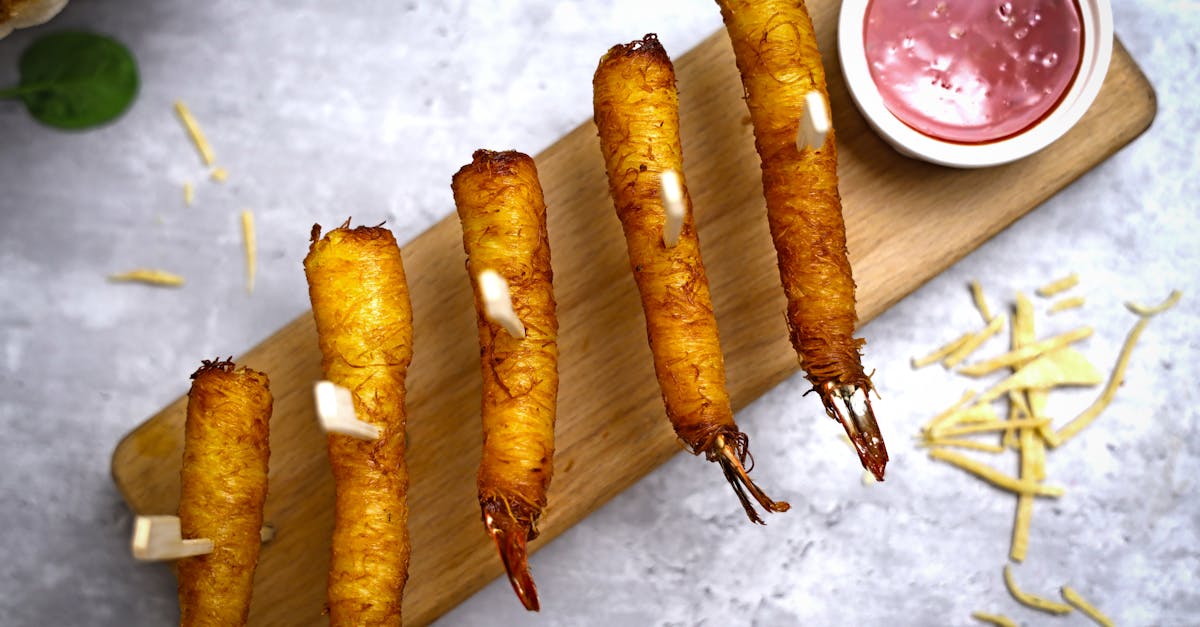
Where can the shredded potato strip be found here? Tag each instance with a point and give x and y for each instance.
(193, 130)
(974, 342)
(1075, 302)
(248, 240)
(149, 277)
(994, 619)
(1092, 612)
(981, 302)
(1064, 366)
(964, 443)
(942, 352)
(1025, 353)
(995, 477)
(1032, 600)
(1145, 311)
(1058, 286)
(1026, 441)
(975, 414)
(950, 414)
(1071, 429)
(995, 425)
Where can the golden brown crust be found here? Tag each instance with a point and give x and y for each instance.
(777, 55)
(503, 217)
(637, 114)
(364, 324)
(224, 486)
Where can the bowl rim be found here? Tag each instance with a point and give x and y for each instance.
(1097, 34)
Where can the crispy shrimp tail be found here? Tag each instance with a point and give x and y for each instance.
(510, 536)
(851, 406)
(731, 454)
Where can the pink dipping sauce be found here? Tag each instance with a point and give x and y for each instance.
(972, 71)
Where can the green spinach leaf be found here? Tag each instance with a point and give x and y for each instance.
(76, 80)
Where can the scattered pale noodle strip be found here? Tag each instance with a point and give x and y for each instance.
(942, 352)
(149, 277)
(945, 416)
(1022, 335)
(1025, 353)
(995, 619)
(193, 129)
(219, 174)
(1032, 600)
(1071, 429)
(1064, 366)
(1146, 311)
(975, 414)
(995, 477)
(251, 248)
(1036, 407)
(1074, 302)
(1092, 612)
(1009, 439)
(1059, 286)
(189, 194)
(1037, 444)
(982, 427)
(1024, 517)
(1023, 332)
(980, 301)
(1032, 449)
(974, 342)
(1033, 468)
(963, 443)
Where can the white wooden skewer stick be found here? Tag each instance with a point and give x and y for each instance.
(158, 538)
(814, 123)
(497, 303)
(672, 198)
(335, 411)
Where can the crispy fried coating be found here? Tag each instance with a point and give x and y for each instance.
(637, 114)
(503, 216)
(364, 322)
(777, 55)
(224, 485)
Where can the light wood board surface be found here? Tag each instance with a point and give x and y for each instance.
(906, 222)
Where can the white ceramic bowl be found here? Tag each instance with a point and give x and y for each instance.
(1097, 27)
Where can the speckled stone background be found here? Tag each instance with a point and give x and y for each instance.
(320, 110)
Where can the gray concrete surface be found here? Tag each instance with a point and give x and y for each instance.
(320, 110)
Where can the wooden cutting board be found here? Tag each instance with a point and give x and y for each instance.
(906, 221)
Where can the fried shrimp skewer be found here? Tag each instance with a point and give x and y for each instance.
(637, 114)
(364, 324)
(503, 219)
(224, 485)
(776, 52)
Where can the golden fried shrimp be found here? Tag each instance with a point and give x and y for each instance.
(224, 485)
(503, 219)
(364, 323)
(637, 114)
(776, 52)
